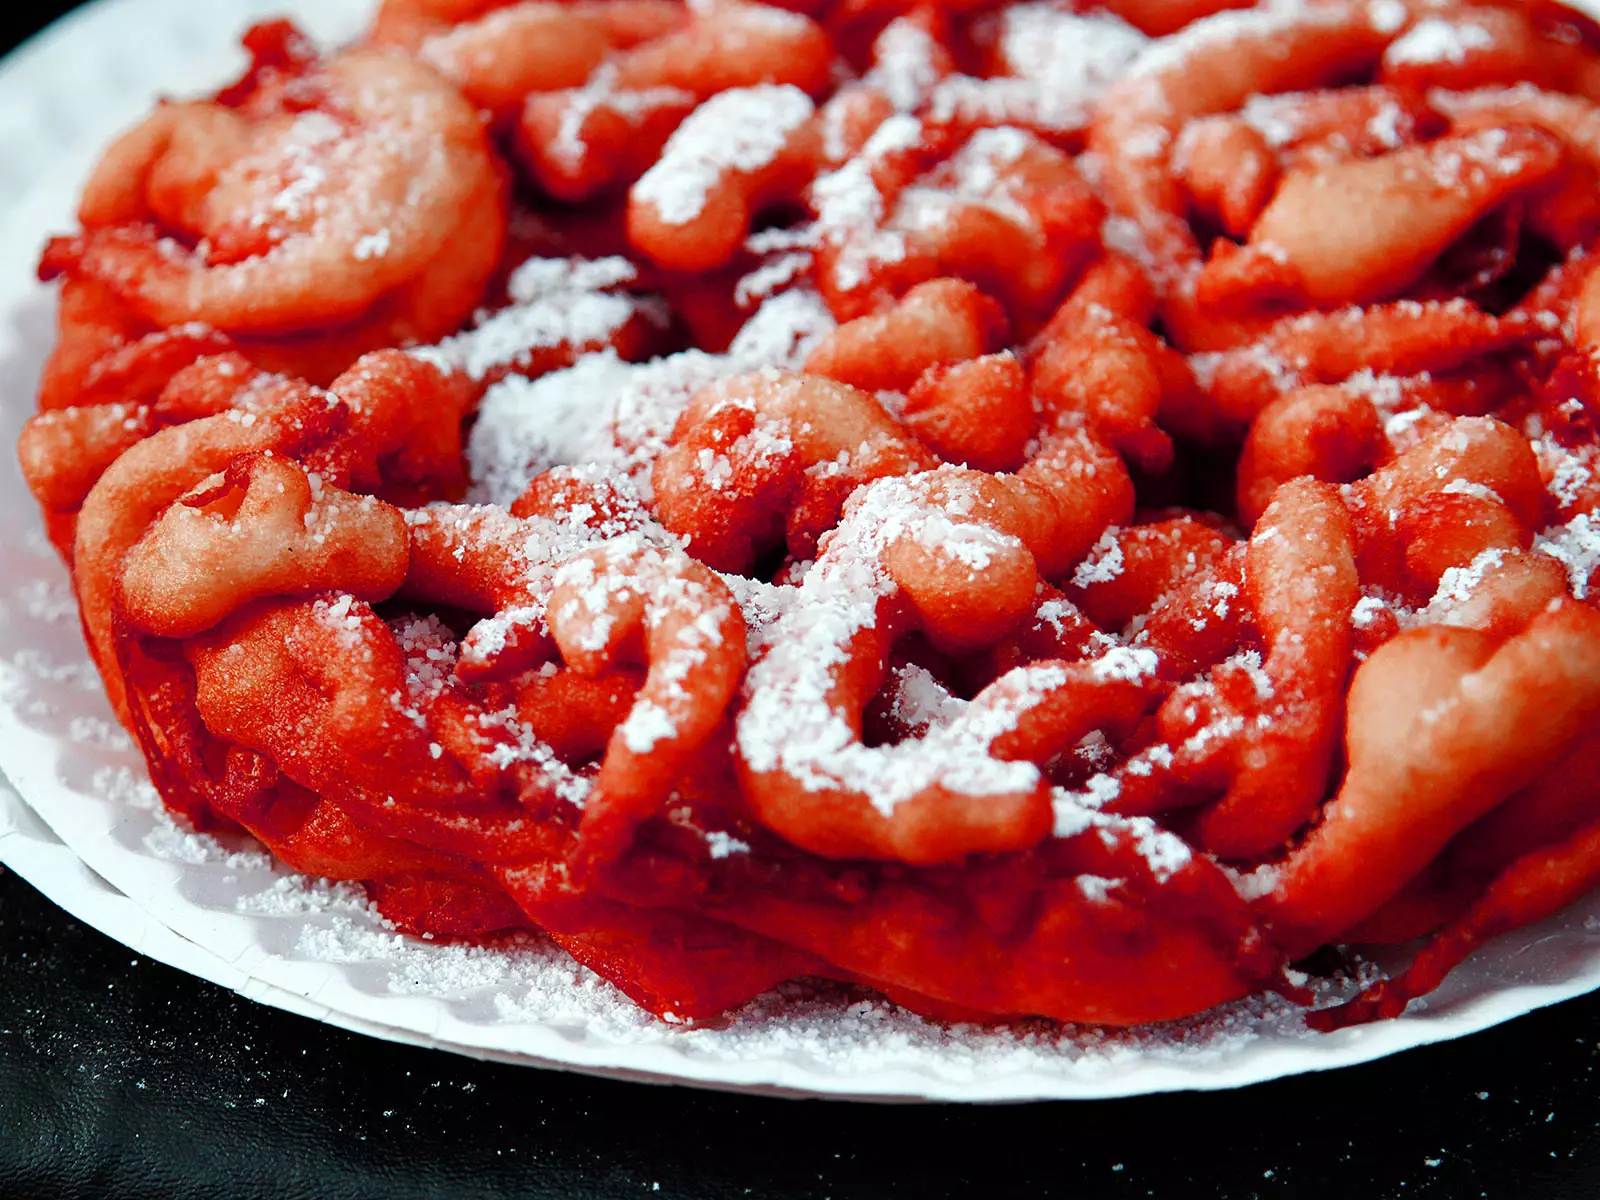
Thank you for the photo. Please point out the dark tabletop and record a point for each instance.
(122, 1079)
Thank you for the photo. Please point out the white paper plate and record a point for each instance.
(93, 837)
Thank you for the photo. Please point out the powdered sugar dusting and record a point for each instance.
(788, 723)
(1457, 586)
(617, 416)
(556, 303)
(1576, 546)
(1056, 66)
(851, 209)
(904, 64)
(527, 426)
(1102, 564)
(1438, 40)
(740, 130)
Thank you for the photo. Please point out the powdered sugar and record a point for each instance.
(1474, 158)
(1571, 473)
(771, 277)
(788, 724)
(556, 303)
(1367, 611)
(1102, 564)
(1254, 884)
(1043, 42)
(851, 210)
(904, 64)
(920, 700)
(1457, 586)
(526, 426)
(373, 245)
(1576, 546)
(1438, 40)
(601, 94)
(1129, 664)
(1058, 65)
(976, 174)
(618, 416)
(741, 130)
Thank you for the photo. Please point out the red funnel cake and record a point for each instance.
(1033, 509)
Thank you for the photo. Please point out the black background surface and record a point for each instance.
(121, 1079)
